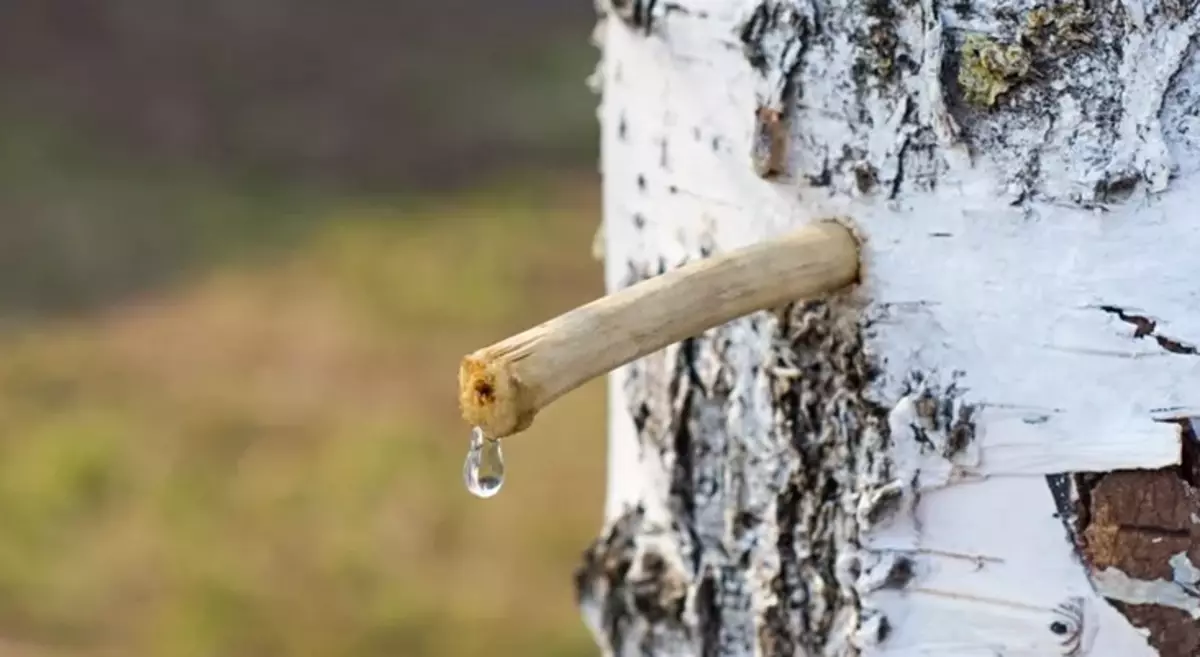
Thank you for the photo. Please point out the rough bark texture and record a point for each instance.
(868, 475)
(758, 509)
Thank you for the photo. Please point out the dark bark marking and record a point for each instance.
(774, 38)
(1071, 508)
(830, 422)
(881, 504)
(865, 177)
(751, 35)
(631, 597)
(600, 580)
(902, 571)
(961, 431)
(770, 142)
(637, 14)
(942, 411)
(1070, 626)
(779, 634)
(821, 179)
(682, 480)
(1116, 189)
(640, 415)
(1189, 462)
(708, 616)
(699, 492)
(882, 54)
(885, 630)
(676, 8)
(654, 601)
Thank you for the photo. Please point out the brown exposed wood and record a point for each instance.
(1136, 521)
(1172, 631)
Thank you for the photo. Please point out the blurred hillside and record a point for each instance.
(245, 243)
(267, 460)
(355, 91)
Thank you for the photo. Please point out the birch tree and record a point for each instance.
(986, 447)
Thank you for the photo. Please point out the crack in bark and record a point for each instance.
(1145, 327)
(1175, 346)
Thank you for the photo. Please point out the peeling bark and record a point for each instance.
(1142, 546)
(983, 449)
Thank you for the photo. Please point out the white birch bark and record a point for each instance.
(983, 449)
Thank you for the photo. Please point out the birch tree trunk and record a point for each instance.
(986, 448)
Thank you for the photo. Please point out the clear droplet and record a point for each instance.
(483, 471)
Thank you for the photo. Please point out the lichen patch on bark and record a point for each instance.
(1083, 88)
(1063, 98)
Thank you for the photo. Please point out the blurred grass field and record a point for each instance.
(228, 423)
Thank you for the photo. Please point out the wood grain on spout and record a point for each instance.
(502, 387)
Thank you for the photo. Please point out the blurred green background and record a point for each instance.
(243, 245)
